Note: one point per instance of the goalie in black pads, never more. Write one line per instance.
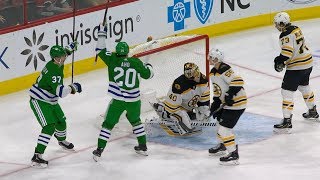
(188, 99)
(228, 91)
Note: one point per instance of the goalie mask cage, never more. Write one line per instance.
(168, 56)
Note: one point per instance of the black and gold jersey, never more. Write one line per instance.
(187, 94)
(222, 79)
(293, 47)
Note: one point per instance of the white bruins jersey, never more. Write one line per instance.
(222, 79)
(293, 46)
(187, 94)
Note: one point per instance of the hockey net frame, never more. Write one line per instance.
(184, 44)
(188, 39)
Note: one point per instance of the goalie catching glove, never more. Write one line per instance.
(202, 113)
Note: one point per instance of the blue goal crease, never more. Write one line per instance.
(250, 128)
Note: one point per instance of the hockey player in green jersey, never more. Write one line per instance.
(124, 88)
(44, 94)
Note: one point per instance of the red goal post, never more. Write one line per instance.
(173, 42)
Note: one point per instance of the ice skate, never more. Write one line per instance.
(312, 114)
(230, 159)
(97, 154)
(66, 145)
(141, 149)
(284, 127)
(38, 162)
(219, 150)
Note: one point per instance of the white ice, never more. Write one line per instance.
(295, 156)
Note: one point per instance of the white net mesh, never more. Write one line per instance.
(168, 56)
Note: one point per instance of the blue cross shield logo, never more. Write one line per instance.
(203, 9)
(178, 13)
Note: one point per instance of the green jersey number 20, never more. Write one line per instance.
(130, 76)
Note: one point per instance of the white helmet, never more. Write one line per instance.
(281, 20)
(216, 53)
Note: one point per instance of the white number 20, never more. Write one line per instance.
(129, 76)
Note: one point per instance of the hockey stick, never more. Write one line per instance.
(193, 123)
(73, 37)
(103, 23)
(217, 110)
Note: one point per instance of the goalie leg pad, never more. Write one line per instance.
(182, 122)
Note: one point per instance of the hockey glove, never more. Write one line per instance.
(202, 113)
(72, 47)
(228, 99)
(162, 113)
(102, 34)
(214, 106)
(279, 63)
(75, 87)
(102, 30)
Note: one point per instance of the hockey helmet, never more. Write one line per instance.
(122, 48)
(191, 70)
(57, 51)
(281, 21)
(215, 54)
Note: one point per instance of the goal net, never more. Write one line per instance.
(167, 56)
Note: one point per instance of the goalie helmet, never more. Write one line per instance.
(215, 56)
(122, 48)
(281, 21)
(191, 70)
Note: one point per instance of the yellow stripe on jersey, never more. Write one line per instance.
(239, 101)
(286, 52)
(205, 98)
(237, 81)
(216, 74)
(202, 84)
(170, 107)
(288, 48)
(186, 91)
(300, 61)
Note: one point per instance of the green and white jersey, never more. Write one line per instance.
(124, 75)
(49, 85)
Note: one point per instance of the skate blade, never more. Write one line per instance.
(312, 119)
(96, 158)
(229, 163)
(38, 165)
(70, 150)
(218, 154)
(282, 131)
(143, 153)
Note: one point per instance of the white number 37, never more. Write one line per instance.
(56, 79)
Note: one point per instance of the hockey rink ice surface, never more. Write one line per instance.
(263, 154)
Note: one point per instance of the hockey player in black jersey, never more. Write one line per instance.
(227, 90)
(297, 59)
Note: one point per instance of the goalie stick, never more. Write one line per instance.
(168, 122)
